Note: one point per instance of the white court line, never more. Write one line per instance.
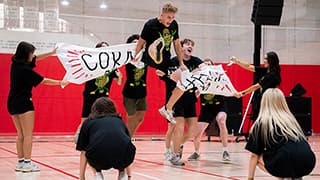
(146, 176)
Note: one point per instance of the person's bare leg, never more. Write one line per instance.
(221, 120)
(169, 135)
(19, 140)
(134, 121)
(27, 123)
(175, 96)
(178, 134)
(191, 126)
(199, 130)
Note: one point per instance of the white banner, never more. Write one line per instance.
(83, 64)
(210, 79)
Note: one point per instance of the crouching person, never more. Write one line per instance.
(104, 141)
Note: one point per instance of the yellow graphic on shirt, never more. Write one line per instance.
(101, 83)
(138, 73)
(209, 99)
(163, 42)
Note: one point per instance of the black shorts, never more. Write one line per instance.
(208, 117)
(294, 159)
(184, 110)
(88, 101)
(20, 107)
(121, 163)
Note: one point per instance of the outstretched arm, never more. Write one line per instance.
(44, 55)
(248, 90)
(48, 81)
(242, 64)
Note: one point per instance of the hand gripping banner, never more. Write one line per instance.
(209, 79)
(83, 64)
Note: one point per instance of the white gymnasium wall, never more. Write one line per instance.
(220, 28)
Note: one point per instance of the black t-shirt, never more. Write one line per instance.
(267, 80)
(22, 79)
(282, 159)
(104, 139)
(99, 86)
(173, 65)
(189, 96)
(152, 31)
(135, 86)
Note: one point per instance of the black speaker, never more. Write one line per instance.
(298, 90)
(234, 114)
(301, 109)
(267, 12)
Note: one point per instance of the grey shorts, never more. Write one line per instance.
(133, 105)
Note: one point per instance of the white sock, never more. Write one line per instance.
(224, 149)
(198, 152)
(20, 160)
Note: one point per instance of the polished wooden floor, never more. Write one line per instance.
(59, 160)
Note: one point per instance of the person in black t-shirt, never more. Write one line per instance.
(20, 105)
(213, 108)
(104, 141)
(134, 92)
(276, 141)
(95, 88)
(173, 65)
(184, 108)
(157, 36)
(269, 77)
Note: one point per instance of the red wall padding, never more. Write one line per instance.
(59, 110)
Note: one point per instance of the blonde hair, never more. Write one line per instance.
(169, 7)
(275, 119)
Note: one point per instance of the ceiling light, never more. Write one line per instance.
(103, 6)
(65, 2)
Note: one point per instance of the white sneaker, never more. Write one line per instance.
(99, 176)
(225, 156)
(167, 114)
(19, 166)
(168, 155)
(122, 176)
(30, 167)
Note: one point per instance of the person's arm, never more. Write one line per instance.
(53, 82)
(243, 64)
(252, 165)
(248, 90)
(44, 55)
(140, 44)
(83, 165)
(178, 50)
(119, 77)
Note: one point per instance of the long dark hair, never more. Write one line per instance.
(23, 51)
(102, 107)
(273, 61)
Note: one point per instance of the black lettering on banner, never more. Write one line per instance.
(100, 60)
(83, 59)
(129, 56)
(116, 59)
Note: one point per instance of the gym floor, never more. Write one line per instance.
(59, 160)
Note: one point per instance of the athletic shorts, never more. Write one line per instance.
(20, 107)
(133, 105)
(184, 110)
(121, 163)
